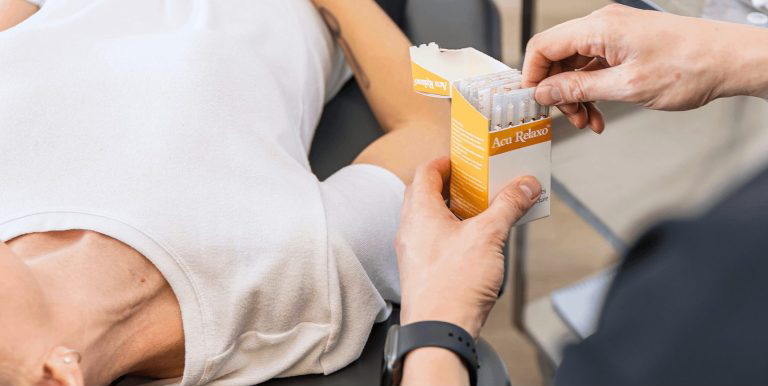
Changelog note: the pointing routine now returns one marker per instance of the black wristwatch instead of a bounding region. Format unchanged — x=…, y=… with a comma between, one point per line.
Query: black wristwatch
x=403, y=339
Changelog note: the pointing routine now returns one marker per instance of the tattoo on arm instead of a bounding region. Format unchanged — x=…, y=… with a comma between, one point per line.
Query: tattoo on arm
x=333, y=25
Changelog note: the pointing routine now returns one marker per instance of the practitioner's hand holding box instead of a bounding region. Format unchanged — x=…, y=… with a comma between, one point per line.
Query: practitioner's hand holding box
x=498, y=131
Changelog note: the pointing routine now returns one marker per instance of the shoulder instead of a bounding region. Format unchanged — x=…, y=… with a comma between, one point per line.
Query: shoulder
x=13, y=12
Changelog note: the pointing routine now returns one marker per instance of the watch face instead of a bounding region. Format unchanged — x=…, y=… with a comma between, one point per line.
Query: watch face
x=390, y=369
x=390, y=348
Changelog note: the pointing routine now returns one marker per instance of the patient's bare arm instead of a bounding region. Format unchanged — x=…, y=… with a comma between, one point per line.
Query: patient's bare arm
x=13, y=12
x=377, y=51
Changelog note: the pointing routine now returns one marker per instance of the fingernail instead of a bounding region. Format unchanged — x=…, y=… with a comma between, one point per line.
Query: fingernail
x=528, y=192
x=555, y=94
x=530, y=187
x=548, y=95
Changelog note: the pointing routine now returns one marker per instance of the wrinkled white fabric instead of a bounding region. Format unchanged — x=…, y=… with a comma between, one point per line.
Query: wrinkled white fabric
x=181, y=127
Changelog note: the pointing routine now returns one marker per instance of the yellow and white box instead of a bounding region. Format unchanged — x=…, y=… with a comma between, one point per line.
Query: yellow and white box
x=483, y=160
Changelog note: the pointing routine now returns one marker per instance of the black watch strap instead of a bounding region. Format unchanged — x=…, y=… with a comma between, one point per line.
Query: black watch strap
x=440, y=334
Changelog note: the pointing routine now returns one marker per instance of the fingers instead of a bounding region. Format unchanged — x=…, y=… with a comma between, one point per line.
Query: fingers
x=432, y=175
x=580, y=86
x=572, y=38
x=427, y=186
x=594, y=65
x=596, y=120
x=590, y=36
x=568, y=63
x=584, y=115
x=511, y=203
x=576, y=113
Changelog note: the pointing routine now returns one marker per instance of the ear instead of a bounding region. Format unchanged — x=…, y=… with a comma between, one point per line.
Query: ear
x=62, y=368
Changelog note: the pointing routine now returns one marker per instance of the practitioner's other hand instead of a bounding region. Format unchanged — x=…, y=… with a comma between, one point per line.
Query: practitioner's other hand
x=452, y=270
x=655, y=59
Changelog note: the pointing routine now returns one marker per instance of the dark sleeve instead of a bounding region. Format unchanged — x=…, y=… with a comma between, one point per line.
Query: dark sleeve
x=689, y=305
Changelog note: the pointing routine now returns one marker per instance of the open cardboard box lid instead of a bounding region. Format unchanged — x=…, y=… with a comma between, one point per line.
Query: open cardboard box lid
x=434, y=70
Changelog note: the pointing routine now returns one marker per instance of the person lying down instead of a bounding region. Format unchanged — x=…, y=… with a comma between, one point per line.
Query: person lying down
x=157, y=208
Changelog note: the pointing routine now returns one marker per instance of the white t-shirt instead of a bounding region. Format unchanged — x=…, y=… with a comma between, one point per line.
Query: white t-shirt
x=181, y=127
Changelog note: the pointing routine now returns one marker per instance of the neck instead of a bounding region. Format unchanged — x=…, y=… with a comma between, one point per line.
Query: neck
x=111, y=305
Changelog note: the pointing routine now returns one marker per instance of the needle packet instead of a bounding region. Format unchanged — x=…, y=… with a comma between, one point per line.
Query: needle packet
x=498, y=131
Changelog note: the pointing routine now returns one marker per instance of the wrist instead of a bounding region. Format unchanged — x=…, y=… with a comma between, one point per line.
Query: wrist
x=469, y=320
x=434, y=366
x=746, y=74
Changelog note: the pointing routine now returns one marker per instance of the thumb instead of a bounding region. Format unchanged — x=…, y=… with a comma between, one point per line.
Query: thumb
x=580, y=86
x=512, y=203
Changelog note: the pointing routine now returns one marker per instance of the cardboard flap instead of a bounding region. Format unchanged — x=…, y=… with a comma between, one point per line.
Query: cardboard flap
x=435, y=69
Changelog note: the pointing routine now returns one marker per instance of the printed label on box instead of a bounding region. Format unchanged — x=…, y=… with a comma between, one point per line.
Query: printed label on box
x=483, y=161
